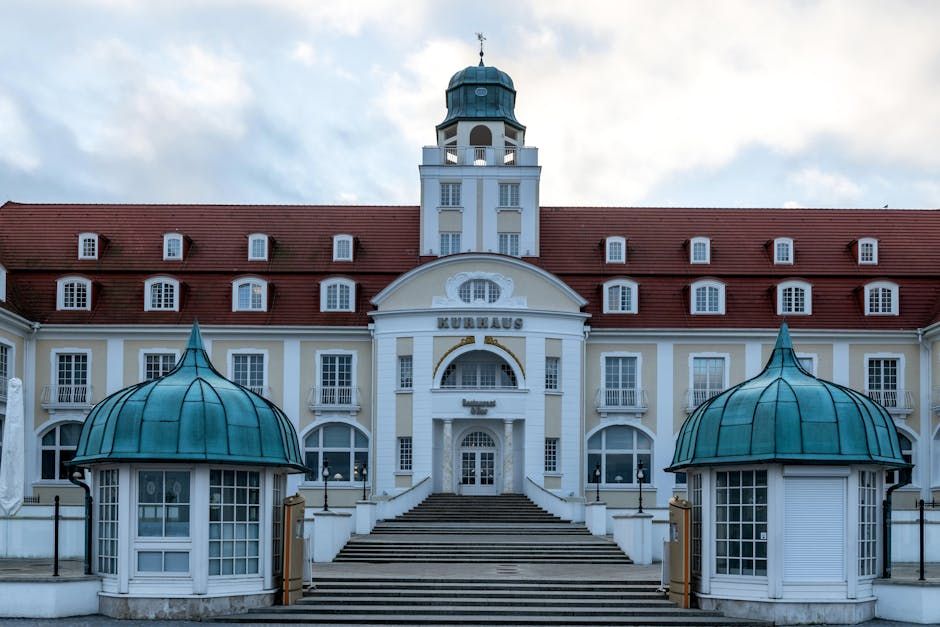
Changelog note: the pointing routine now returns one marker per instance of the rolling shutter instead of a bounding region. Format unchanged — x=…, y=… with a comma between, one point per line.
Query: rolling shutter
x=814, y=529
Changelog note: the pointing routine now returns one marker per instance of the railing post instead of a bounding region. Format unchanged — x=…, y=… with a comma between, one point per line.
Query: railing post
x=922, y=522
x=55, y=538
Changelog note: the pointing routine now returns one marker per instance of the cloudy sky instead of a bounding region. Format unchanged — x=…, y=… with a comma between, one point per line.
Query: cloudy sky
x=631, y=103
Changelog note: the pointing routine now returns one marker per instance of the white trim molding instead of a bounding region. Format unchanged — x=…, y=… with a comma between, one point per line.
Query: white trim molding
x=60, y=292
x=807, y=298
x=148, y=293
x=707, y=242
x=895, y=298
x=703, y=284
x=633, y=304
x=610, y=250
x=250, y=282
x=337, y=282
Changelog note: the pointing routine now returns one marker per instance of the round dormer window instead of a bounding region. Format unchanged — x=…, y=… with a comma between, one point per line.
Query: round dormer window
x=480, y=91
x=478, y=291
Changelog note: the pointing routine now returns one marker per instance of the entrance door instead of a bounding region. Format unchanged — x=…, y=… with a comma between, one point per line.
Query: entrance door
x=478, y=464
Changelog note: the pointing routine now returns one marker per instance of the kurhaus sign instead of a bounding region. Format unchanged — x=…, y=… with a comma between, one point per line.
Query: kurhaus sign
x=478, y=408
x=478, y=322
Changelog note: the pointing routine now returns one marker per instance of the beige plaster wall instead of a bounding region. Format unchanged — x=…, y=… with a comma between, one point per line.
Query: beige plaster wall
x=403, y=413
x=539, y=292
x=339, y=497
x=509, y=222
x=823, y=354
x=450, y=221
x=594, y=378
x=274, y=362
x=553, y=415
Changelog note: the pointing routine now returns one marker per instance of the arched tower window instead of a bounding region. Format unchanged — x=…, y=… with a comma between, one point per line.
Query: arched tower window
x=479, y=370
x=481, y=135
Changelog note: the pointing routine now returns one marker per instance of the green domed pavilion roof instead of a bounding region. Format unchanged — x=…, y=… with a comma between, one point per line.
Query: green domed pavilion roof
x=191, y=414
x=481, y=92
x=785, y=414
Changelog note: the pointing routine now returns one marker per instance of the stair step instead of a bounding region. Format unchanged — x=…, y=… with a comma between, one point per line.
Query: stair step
x=508, y=611
x=399, y=618
x=518, y=602
x=576, y=596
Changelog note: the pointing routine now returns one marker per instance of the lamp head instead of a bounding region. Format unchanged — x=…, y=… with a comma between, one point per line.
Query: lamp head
x=337, y=477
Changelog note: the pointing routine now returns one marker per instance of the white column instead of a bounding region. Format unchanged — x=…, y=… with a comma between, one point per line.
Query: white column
x=752, y=360
x=268, y=478
x=292, y=393
x=572, y=441
x=924, y=405
x=507, y=456
x=840, y=363
x=382, y=469
x=447, y=469
x=114, y=379
x=665, y=425
x=125, y=509
x=199, y=530
x=422, y=434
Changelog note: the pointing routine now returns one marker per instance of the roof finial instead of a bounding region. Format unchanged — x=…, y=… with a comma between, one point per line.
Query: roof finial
x=481, y=39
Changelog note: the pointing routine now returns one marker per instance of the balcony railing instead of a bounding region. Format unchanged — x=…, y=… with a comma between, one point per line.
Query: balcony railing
x=697, y=396
x=66, y=397
x=895, y=401
x=480, y=155
x=621, y=400
x=334, y=397
x=260, y=390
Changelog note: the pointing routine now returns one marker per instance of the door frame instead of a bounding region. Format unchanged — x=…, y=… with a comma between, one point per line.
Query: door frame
x=498, y=452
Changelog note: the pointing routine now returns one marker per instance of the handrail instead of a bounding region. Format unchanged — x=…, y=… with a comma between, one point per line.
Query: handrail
x=546, y=491
x=571, y=510
x=401, y=502
x=411, y=489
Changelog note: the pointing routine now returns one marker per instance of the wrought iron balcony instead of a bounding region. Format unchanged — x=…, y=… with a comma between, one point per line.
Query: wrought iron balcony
x=66, y=397
x=696, y=396
x=621, y=401
x=480, y=155
x=334, y=398
x=897, y=402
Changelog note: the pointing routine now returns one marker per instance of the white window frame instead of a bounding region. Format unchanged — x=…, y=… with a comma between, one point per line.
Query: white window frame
x=324, y=287
x=707, y=242
x=552, y=377
x=265, y=361
x=609, y=242
x=899, y=387
x=452, y=199
x=400, y=457
x=510, y=187
x=508, y=243
x=814, y=358
x=638, y=388
x=874, y=244
x=634, y=300
x=319, y=424
x=710, y=355
x=148, y=300
x=550, y=462
x=42, y=432
x=403, y=384
x=3, y=283
x=257, y=237
x=895, y=298
x=167, y=238
x=11, y=365
x=81, y=245
x=807, y=300
x=60, y=292
x=163, y=543
x=450, y=242
x=705, y=283
x=353, y=378
x=142, y=358
x=604, y=451
x=342, y=239
x=790, y=258
x=250, y=281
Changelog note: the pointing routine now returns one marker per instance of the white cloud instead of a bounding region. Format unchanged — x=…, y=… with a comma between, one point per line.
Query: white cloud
x=17, y=145
x=304, y=53
x=826, y=187
x=792, y=204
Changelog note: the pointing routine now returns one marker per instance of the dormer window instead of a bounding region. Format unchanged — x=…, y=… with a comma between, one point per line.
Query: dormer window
x=161, y=294
x=249, y=295
x=257, y=247
x=88, y=246
x=620, y=296
x=700, y=250
x=708, y=297
x=337, y=295
x=342, y=248
x=73, y=293
x=868, y=251
x=783, y=250
x=616, y=248
x=881, y=299
x=794, y=298
x=172, y=247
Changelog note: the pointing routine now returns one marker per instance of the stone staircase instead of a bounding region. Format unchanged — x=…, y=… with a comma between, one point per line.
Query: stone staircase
x=482, y=560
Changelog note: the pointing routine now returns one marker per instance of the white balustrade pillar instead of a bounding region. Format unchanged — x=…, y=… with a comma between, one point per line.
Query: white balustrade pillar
x=633, y=533
x=595, y=516
x=447, y=472
x=365, y=516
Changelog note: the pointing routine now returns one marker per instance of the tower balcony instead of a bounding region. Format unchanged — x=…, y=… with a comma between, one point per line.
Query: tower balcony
x=480, y=155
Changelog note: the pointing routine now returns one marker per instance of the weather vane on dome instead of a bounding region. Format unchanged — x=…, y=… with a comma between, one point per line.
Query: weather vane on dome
x=481, y=38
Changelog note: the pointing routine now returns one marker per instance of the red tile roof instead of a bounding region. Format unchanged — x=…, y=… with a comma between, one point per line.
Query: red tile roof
x=38, y=244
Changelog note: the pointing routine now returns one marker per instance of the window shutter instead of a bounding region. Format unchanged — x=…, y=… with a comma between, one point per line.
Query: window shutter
x=814, y=529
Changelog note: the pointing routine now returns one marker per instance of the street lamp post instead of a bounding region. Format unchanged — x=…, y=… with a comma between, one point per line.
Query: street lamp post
x=365, y=473
x=326, y=485
x=640, y=475
x=597, y=480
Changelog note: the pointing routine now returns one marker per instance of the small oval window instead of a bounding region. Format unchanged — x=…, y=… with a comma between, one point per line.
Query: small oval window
x=479, y=290
x=480, y=91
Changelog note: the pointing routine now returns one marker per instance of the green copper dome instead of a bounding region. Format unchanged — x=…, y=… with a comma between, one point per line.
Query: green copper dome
x=481, y=92
x=191, y=414
x=785, y=414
